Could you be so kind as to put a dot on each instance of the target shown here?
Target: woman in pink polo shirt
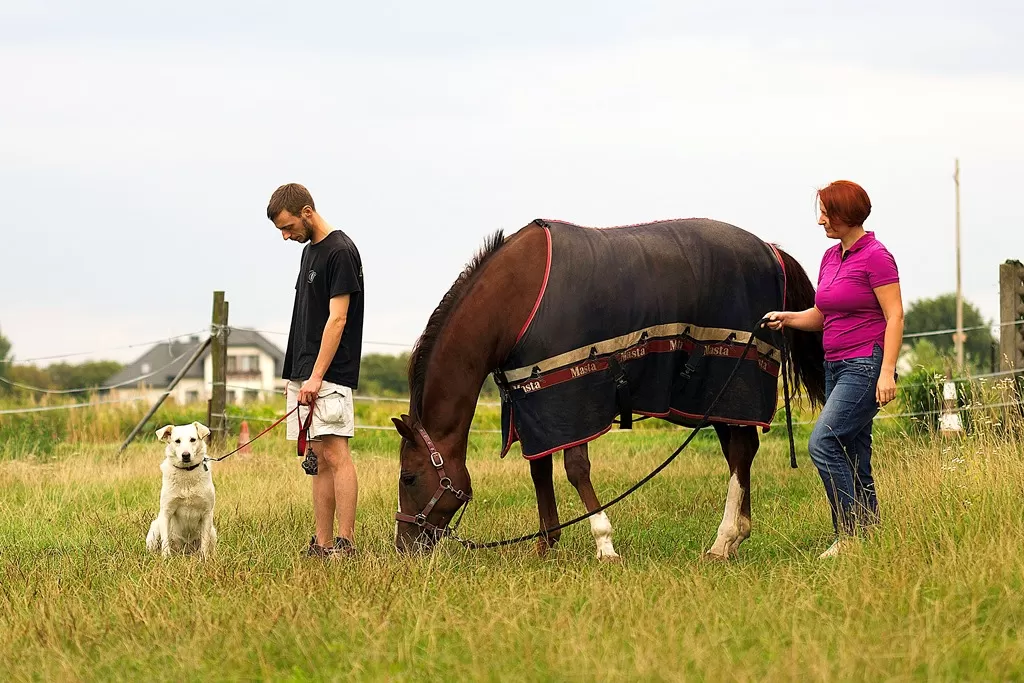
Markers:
(859, 308)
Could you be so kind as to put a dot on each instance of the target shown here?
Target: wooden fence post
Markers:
(219, 355)
(1011, 311)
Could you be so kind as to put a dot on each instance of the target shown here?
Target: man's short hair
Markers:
(291, 198)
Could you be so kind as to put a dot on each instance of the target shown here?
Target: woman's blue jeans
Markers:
(840, 444)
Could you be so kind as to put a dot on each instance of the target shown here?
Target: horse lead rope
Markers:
(473, 545)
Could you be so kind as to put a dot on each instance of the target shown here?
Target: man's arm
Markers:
(328, 347)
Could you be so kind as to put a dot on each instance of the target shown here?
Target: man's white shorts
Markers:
(333, 413)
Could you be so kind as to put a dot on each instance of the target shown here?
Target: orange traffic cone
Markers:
(243, 438)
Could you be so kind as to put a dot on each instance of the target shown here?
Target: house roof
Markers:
(163, 361)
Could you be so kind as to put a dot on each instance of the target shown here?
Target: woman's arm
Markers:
(809, 320)
(891, 301)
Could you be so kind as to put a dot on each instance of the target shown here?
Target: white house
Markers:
(253, 371)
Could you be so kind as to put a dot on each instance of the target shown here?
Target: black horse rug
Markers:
(642, 319)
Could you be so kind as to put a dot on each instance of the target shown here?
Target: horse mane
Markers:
(424, 346)
(805, 349)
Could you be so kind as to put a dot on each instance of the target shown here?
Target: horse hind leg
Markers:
(739, 444)
(547, 508)
(577, 470)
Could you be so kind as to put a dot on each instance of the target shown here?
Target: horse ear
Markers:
(402, 425)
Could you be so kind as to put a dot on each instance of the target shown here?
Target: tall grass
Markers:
(933, 594)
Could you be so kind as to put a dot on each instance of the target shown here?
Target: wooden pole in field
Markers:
(200, 350)
(959, 339)
(219, 356)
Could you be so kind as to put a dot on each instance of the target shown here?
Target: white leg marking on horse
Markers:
(602, 530)
(729, 533)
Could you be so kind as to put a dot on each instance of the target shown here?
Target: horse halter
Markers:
(445, 484)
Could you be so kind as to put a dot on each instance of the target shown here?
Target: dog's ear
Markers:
(402, 425)
(202, 430)
(164, 433)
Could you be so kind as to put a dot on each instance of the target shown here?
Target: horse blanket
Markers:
(664, 308)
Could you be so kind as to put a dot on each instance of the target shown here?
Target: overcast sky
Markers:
(139, 143)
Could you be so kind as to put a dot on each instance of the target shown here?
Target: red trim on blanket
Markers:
(669, 345)
(672, 411)
(570, 445)
(543, 288)
(512, 435)
(721, 420)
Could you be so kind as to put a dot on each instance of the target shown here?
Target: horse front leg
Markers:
(577, 469)
(739, 444)
(547, 508)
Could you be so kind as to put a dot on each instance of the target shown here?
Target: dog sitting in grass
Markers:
(185, 522)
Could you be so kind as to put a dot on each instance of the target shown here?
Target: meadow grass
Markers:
(933, 594)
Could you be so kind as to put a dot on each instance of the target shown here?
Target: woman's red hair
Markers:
(845, 201)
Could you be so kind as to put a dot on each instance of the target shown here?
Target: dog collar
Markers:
(201, 463)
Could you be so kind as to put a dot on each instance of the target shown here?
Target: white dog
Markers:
(185, 522)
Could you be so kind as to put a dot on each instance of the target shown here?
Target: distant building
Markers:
(253, 371)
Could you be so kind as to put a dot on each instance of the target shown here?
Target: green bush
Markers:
(979, 401)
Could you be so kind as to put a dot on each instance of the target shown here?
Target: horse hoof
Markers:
(544, 547)
(609, 557)
(714, 557)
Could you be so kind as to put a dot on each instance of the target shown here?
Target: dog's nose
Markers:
(186, 457)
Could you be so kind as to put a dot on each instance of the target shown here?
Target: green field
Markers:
(934, 594)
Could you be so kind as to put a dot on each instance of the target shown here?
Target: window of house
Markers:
(191, 397)
(243, 364)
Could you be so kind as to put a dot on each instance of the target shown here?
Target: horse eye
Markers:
(408, 479)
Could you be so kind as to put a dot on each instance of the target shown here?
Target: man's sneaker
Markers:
(343, 546)
(317, 550)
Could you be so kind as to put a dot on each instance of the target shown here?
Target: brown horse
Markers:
(471, 333)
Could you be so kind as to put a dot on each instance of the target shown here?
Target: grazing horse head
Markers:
(431, 486)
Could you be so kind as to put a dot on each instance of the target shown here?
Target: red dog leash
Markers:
(303, 440)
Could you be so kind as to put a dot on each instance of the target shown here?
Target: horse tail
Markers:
(806, 353)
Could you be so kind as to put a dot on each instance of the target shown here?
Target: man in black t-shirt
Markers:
(321, 363)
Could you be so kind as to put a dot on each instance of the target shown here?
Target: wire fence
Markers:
(69, 406)
(266, 420)
(379, 399)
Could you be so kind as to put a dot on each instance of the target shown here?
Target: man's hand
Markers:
(885, 391)
(309, 390)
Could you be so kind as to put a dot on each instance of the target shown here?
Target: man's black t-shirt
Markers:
(330, 268)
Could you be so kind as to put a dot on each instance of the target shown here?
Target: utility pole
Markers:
(959, 339)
